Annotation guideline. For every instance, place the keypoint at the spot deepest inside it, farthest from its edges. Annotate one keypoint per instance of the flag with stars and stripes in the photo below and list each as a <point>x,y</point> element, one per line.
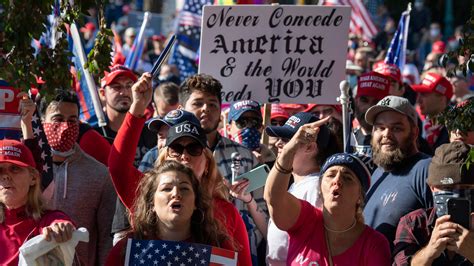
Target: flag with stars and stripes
<point>398,46</point>
<point>185,54</point>
<point>38,131</point>
<point>361,22</point>
<point>159,252</point>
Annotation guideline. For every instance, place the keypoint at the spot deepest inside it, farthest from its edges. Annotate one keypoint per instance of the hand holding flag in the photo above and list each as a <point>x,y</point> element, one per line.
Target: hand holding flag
<point>158,252</point>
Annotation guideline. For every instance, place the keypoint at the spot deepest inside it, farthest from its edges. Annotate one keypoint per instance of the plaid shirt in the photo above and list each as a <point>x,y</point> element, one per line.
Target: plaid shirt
<point>414,233</point>
<point>223,155</point>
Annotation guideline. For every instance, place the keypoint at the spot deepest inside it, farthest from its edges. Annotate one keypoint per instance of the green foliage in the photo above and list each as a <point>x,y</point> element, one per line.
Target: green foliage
<point>98,58</point>
<point>459,117</point>
<point>465,49</point>
<point>25,20</point>
<point>22,21</point>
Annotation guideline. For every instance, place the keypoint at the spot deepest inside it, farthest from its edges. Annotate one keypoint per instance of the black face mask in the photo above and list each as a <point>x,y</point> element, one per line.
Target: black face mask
<point>441,199</point>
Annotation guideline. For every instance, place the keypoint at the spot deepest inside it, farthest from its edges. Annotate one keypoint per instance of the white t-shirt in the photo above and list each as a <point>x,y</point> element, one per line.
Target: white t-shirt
<point>277,240</point>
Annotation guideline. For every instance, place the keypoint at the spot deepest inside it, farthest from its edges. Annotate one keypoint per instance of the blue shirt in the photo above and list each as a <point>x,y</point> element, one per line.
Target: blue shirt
<point>394,194</point>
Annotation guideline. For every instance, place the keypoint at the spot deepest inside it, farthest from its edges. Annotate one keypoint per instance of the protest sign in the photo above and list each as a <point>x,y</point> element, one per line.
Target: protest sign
<point>9,114</point>
<point>289,54</point>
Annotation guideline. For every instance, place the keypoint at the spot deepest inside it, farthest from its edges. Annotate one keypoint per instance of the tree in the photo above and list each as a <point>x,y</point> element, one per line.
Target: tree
<point>25,21</point>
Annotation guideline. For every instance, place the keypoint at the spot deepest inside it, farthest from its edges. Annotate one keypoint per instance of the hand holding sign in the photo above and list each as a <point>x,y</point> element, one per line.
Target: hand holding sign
<point>26,108</point>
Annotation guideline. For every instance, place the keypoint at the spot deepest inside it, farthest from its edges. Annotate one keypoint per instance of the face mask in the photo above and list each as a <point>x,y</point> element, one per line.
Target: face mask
<point>441,199</point>
<point>434,32</point>
<point>61,136</point>
<point>248,137</point>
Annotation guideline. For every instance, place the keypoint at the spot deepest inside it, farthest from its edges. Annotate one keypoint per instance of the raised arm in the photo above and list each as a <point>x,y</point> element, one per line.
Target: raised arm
<point>125,176</point>
<point>285,208</point>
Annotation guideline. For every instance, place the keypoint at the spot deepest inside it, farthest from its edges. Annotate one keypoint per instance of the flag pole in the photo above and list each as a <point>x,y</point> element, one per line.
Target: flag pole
<point>346,122</point>
<point>87,75</point>
<point>133,57</point>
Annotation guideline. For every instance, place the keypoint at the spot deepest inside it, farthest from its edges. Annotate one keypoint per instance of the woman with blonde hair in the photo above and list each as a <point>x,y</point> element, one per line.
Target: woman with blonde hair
<point>186,143</point>
<point>335,234</point>
<point>171,205</point>
<point>22,211</point>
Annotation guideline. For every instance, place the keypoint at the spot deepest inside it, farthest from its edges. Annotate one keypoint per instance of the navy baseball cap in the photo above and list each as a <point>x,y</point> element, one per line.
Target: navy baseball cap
<point>172,118</point>
<point>289,129</point>
<point>352,162</point>
<point>186,129</point>
<point>238,108</point>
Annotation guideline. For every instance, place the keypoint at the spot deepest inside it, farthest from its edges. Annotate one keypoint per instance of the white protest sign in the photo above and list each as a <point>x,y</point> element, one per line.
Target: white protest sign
<point>272,53</point>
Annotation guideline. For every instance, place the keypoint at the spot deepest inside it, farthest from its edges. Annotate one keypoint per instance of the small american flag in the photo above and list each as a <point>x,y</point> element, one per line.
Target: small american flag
<point>186,51</point>
<point>47,174</point>
<point>158,252</point>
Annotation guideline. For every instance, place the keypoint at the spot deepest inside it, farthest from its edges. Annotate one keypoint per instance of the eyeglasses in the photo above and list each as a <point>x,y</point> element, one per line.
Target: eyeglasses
<point>193,149</point>
<point>248,122</point>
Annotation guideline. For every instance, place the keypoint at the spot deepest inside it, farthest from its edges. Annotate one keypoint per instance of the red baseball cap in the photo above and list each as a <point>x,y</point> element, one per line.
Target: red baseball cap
<point>389,70</point>
<point>88,27</point>
<point>438,47</point>
<point>15,152</point>
<point>278,111</point>
<point>373,84</point>
<point>337,107</point>
<point>159,38</point>
<point>433,82</point>
<point>117,71</point>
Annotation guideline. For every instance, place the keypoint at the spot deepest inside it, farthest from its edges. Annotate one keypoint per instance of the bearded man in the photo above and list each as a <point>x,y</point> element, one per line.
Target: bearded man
<point>398,185</point>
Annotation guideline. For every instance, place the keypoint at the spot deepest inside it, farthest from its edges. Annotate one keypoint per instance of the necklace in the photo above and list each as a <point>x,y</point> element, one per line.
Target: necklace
<point>341,231</point>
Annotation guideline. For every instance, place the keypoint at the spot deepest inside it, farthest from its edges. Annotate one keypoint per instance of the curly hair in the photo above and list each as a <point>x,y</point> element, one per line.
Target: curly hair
<point>212,180</point>
<point>202,83</point>
<point>204,228</point>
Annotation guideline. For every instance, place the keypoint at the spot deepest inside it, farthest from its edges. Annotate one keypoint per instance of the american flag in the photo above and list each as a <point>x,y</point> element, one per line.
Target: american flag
<point>397,51</point>
<point>361,22</point>
<point>186,51</point>
<point>158,252</point>
<point>47,174</point>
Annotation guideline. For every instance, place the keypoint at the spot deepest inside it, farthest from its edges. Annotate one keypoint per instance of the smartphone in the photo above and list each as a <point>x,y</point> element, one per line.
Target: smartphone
<point>460,211</point>
<point>257,177</point>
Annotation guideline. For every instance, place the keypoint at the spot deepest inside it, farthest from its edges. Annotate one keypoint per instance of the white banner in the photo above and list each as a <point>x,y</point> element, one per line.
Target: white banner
<point>273,53</point>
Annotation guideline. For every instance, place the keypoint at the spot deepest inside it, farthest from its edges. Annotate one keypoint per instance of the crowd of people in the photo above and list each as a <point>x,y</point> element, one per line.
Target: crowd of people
<point>165,166</point>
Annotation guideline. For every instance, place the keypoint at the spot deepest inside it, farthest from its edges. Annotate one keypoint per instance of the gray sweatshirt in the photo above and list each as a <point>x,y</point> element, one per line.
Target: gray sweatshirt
<point>82,188</point>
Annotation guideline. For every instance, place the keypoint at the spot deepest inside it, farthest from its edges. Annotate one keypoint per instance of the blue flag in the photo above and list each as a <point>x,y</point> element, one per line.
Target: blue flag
<point>397,51</point>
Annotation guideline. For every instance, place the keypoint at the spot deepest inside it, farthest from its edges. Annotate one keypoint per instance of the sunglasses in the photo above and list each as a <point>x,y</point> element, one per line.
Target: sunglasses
<point>248,122</point>
<point>193,149</point>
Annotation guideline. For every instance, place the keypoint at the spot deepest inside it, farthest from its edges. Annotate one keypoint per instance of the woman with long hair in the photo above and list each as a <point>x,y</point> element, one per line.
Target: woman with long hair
<point>171,205</point>
<point>187,144</point>
<point>335,234</point>
<point>23,214</point>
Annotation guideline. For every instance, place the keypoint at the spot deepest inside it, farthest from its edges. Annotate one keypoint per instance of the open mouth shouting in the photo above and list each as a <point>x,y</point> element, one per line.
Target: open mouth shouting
<point>176,206</point>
